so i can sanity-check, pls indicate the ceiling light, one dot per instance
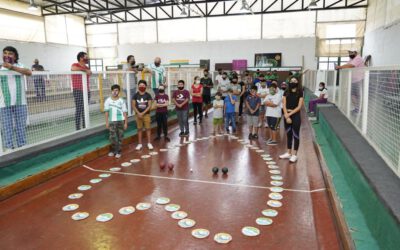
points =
(32, 5)
(183, 13)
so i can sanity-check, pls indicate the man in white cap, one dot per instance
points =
(357, 77)
(157, 74)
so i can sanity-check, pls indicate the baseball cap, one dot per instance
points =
(353, 50)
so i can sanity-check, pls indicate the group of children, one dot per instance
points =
(270, 100)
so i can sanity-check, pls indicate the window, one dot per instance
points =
(96, 64)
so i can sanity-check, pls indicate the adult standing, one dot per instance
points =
(197, 100)
(223, 85)
(39, 81)
(158, 75)
(237, 90)
(131, 70)
(207, 83)
(77, 87)
(13, 110)
(357, 77)
(218, 78)
(246, 84)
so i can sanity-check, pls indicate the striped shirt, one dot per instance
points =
(115, 109)
(12, 88)
(157, 75)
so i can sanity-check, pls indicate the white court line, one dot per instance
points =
(200, 181)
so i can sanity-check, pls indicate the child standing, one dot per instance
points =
(141, 103)
(274, 112)
(253, 103)
(197, 100)
(116, 120)
(181, 100)
(229, 103)
(218, 119)
(162, 100)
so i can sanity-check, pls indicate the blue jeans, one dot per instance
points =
(10, 116)
(230, 118)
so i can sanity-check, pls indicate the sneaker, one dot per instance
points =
(111, 154)
(139, 147)
(272, 143)
(250, 136)
(157, 138)
(200, 122)
(118, 155)
(186, 133)
(255, 136)
(259, 124)
(227, 130)
(293, 158)
(150, 146)
(234, 131)
(285, 156)
(181, 134)
(194, 123)
(167, 139)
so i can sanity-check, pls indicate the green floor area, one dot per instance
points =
(371, 226)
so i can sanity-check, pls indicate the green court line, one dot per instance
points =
(370, 223)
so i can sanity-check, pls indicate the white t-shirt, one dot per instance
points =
(157, 75)
(324, 92)
(12, 91)
(218, 78)
(218, 112)
(274, 111)
(262, 91)
(115, 109)
(224, 85)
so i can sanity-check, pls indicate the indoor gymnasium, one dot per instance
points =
(200, 124)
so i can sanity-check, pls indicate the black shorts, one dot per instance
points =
(272, 122)
(207, 99)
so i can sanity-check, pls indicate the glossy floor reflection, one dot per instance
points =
(34, 219)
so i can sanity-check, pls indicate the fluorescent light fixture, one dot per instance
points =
(183, 13)
(313, 5)
(32, 5)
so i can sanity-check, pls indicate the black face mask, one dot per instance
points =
(157, 64)
(133, 63)
(292, 85)
(205, 75)
(160, 91)
(283, 88)
(180, 88)
(352, 56)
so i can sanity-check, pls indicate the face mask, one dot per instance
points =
(292, 85)
(217, 97)
(161, 91)
(133, 63)
(142, 89)
(283, 88)
(157, 63)
(180, 88)
(224, 77)
(36, 63)
(352, 56)
(86, 61)
(272, 91)
(205, 75)
(197, 81)
(7, 59)
(321, 88)
(234, 82)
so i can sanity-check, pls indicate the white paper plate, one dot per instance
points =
(153, 153)
(104, 175)
(274, 171)
(274, 203)
(200, 233)
(275, 196)
(276, 189)
(135, 160)
(127, 210)
(70, 207)
(222, 238)
(84, 187)
(251, 231)
(80, 215)
(267, 159)
(240, 140)
(94, 181)
(273, 166)
(145, 156)
(143, 206)
(75, 196)
(104, 217)
(260, 151)
(263, 221)
(276, 177)
(270, 213)
(115, 169)
(163, 149)
(172, 207)
(265, 155)
(271, 163)
(186, 223)
(162, 200)
(276, 183)
(179, 215)
(126, 164)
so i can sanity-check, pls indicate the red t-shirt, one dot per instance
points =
(77, 79)
(197, 99)
(162, 99)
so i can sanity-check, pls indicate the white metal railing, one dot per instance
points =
(54, 109)
(370, 99)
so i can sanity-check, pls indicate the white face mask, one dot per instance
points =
(197, 81)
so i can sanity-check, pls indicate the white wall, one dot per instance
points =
(54, 57)
(292, 50)
(382, 37)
